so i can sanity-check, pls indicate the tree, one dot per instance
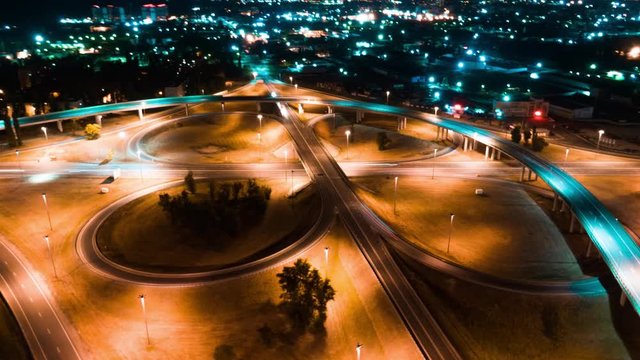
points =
(515, 135)
(537, 143)
(527, 136)
(92, 131)
(383, 141)
(305, 295)
(190, 182)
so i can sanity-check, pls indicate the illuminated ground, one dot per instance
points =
(218, 138)
(504, 233)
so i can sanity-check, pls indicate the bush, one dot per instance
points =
(92, 131)
(383, 141)
(515, 135)
(190, 182)
(538, 143)
(229, 207)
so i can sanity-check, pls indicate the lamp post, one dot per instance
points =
(255, 75)
(286, 156)
(347, 133)
(433, 169)
(139, 153)
(358, 350)
(260, 120)
(600, 133)
(450, 230)
(18, 159)
(388, 93)
(46, 206)
(435, 109)
(53, 264)
(144, 314)
(395, 194)
(44, 130)
(290, 79)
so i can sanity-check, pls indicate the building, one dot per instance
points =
(107, 14)
(155, 12)
(570, 107)
(524, 109)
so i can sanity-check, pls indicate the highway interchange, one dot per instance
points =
(32, 305)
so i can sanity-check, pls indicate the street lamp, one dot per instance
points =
(18, 159)
(144, 314)
(348, 133)
(290, 79)
(326, 255)
(46, 206)
(260, 120)
(358, 351)
(46, 240)
(395, 194)
(255, 75)
(433, 170)
(388, 93)
(44, 130)
(435, 109)
(450, 230)
(600, 133)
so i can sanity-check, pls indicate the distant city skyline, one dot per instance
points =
(37, 12)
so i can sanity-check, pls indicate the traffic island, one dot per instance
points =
(206, 236)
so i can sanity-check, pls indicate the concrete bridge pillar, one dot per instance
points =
(623, 298)
(475, 144)
(499, 154)
(99, 120)
(493, 153)
(300, 109)
(140, 114)
(222, 106)
(522, 174)
(572, 224)
(359, 116)
(486, 152)
(563, 208)
(329, 110)
(589, 248)
(466, 144)
(59, 123)
(437, 132)
(186, 109)
(404, 123)
(555, 202)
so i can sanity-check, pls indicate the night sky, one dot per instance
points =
(38, 12)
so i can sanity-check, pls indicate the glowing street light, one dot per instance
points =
(53, 264)
(435, 109)
(46, 206)
(260, 120)
(388, 93)
(255, 75)
(347, 133)
(326, 256)
(395, 194)
(358, 351)
(144, 314)
(290, 79)
(44, 130)
(433, 172)
(18, 159)
(450, 230)
(600, 133)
